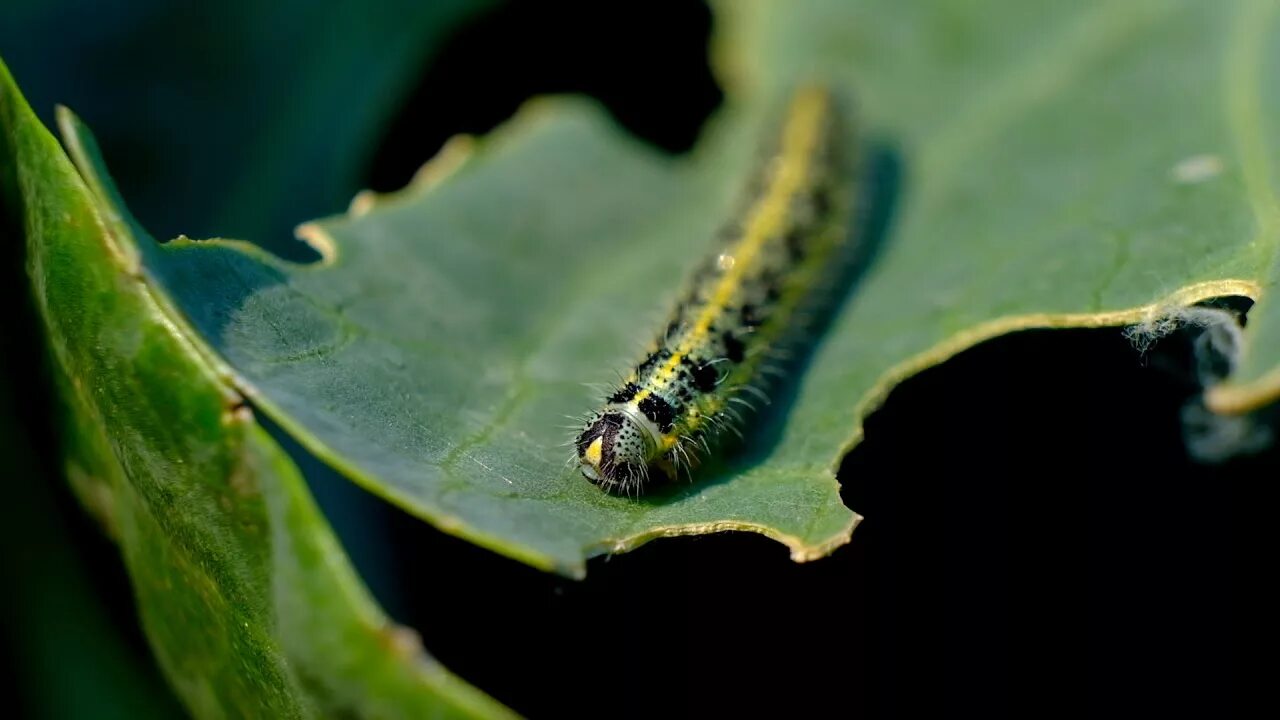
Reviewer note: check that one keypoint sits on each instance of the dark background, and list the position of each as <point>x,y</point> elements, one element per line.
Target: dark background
<point>1036,537</point>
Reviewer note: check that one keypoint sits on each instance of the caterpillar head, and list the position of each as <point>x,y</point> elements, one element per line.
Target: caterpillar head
<point>614,451</point>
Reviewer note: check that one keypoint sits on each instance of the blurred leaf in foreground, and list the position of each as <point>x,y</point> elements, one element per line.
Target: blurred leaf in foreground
<point>245,596</point>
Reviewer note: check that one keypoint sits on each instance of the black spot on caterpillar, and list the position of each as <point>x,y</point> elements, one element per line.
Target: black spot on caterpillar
<point>742,303</point>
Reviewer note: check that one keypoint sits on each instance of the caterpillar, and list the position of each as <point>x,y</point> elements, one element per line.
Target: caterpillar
<point>741,308</point>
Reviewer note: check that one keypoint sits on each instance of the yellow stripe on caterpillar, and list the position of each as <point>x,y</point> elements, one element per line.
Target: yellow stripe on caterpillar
<point>735,312</point>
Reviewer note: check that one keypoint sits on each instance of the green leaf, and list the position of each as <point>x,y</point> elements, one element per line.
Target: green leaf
<point>243,592</point>
<point>442,382</point>
<point>1063,164</point>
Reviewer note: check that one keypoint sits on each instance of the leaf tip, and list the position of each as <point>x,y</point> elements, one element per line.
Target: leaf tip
<point>804,552</point>
<point>455,153</point>
<point>318,239</point>
<point>402,641</point>
<point>1239,399</point>
<point>237,412</point>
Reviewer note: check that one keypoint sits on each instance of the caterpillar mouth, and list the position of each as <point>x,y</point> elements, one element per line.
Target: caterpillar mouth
<point>596,447</point>
<point>611,452</point>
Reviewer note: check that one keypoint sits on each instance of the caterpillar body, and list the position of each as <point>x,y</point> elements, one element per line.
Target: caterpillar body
<point>744,304</point>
